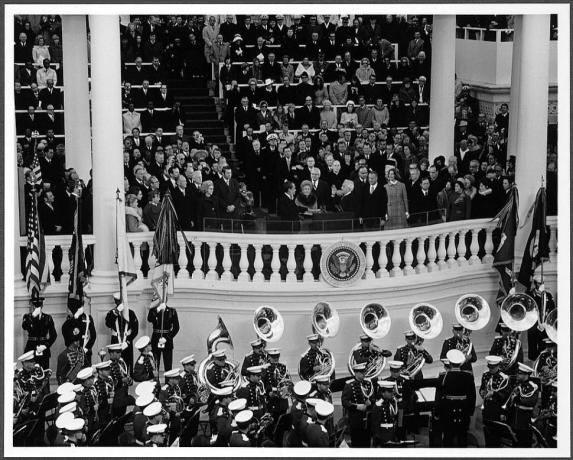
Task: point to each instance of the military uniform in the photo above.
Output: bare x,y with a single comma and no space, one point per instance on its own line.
307,362
403,405
70,362
221,420
191,414
534,335
521,411
41,331
88,401
123,331
455,399
104,388
189,386
145,368
252,359
294,436
355,393
277,405
121,398
165,324
403,354
217,374
501,346
28,383
384,421
455,343
255,396
240,439
497,382
84,326
317,435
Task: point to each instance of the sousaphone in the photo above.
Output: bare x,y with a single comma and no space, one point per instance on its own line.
519,312
268,323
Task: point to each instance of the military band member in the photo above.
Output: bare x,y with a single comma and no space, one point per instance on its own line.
105,391
240,436
71,360
257,357
368,351
121,380
398,380
74,432
460,342
61,422
506,346
82,324
41,331
190,415
301,390
411,350
385,415
276,374
123,330
145,367
310,361
29,381
219,369
140,420
547,369
535,336
157,435
357,400
220,418
254,392
165,327
155,414
455,398
520,405
175,402
88,398
317,434
494,390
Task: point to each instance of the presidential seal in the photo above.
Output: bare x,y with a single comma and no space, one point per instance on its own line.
342,264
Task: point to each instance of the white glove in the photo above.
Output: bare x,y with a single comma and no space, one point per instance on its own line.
542,287
120,307
36,312
162,341
79,313
162,306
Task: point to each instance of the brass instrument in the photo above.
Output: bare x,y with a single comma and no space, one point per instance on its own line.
472,312
518,391
268,323
545,367
519,312
490,388
375,322
551,325
510,351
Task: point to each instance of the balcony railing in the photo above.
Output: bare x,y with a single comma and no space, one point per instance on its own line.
259,258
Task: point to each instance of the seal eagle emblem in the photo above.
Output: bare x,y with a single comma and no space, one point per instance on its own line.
342,264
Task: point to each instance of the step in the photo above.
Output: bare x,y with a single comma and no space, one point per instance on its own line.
194,108
206,123
191,100
189,116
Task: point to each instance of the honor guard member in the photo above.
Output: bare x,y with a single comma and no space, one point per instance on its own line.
535,335
156,434
121,380
455,397
276,382
140,420
494,390
219,369
123,330
385,415
105,391
165,327
71,360
520,405
240,437
257,357
88,398
460,342
190,415
411,350
309,361
367,351
145,368
74,430
356,399
506,346
318,434
83,324
399,381
298,412
41,331
254,392
221,418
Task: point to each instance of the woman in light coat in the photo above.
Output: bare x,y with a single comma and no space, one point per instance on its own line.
397,202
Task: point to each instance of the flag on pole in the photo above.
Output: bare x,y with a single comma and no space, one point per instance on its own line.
504,255
78,273
36,169
537,247
125,264
37,270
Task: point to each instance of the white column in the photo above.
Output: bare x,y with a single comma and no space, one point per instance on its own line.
442,91
107,141
529,94
76,94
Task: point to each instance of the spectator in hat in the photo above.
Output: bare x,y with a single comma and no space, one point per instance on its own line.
349,118
364,72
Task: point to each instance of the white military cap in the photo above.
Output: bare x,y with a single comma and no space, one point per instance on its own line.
28,356
493,360
455,357
273,351
172,373
386,384
395,364
188,359
66,397
75,424
324,409
63,419
226,391
256,343
524,369
117,295
144,400
312,338
255,369
115,347
145,387
359,367
312,401
103,365
152,409
157,429
272,136
238,405
245,416
71,407
85,373
66,387
302,388
78,387
322,379
142,342
219,354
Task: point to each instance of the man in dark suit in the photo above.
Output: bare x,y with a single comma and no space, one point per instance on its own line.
321,188
48,215
29,121
27,74
184,204
144,95
23,49
287,210
464,156
51,95
374,204
423,90
164,98
227,189
387,91
51,121
51,169
348,202
423,205
150,118
309,114
284,171
245,114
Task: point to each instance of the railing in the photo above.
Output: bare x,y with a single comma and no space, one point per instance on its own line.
483,34
245,258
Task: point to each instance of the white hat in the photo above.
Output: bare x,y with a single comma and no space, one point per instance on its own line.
386,384
78,387
268,82
157,429
145,387
75,424
152,409
359,367
255,369
219,354
271,137
172,373
103,365
63,419
455,357
312,401
226,391
188,359
396,364
524,369
142,342
28,356
66,397
237,37
144,400
245,416
312,338
66,387
238,405
117,295
350,102
85,373
71,407
257,342
322,379
273,351
115,347
324,409
493,360
302,388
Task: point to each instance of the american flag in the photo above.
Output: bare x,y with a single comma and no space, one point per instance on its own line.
37,271
36,169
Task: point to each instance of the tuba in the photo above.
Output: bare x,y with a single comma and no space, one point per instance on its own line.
545,367
375,322
519,312
473,313
325,322
427,323
268,323
218,336
551,325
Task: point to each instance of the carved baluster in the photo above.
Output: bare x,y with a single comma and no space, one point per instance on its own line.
198,261
408,258
152,259
227,275
212,262
291,264
421,256
451,250
462,248
442,252
66,264
182,261
396,259
553,242
258,264
474,247
488,247
369,274
382,261
276,264
432,267
244,264
137,258
308,265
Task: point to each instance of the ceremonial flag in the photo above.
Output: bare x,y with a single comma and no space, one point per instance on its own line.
124,259
504,255
37,270
36,169
537,247
78,273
